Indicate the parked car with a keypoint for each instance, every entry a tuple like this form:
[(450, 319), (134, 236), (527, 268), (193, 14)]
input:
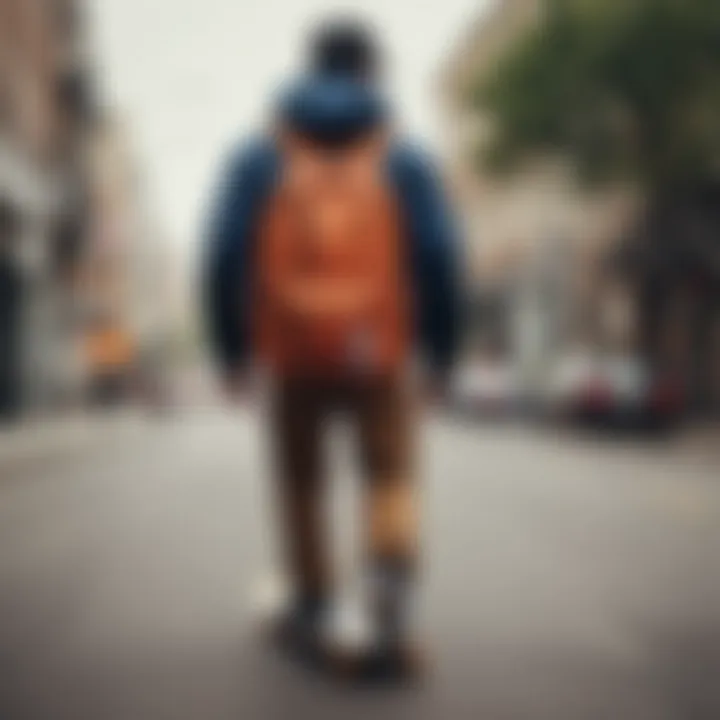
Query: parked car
[(487, 389), (620, 392)]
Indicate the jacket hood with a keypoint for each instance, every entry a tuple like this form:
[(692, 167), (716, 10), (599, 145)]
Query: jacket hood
[(332, 110)]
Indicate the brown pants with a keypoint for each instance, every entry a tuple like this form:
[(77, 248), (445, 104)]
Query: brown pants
[(380, 411)]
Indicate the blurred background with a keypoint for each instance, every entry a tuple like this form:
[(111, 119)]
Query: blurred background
[(572, 501)]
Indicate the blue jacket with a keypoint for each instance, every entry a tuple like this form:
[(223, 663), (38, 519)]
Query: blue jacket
[(332, 110)]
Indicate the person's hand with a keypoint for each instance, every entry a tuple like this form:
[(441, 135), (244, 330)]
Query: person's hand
[(237, 386), (436, 391)]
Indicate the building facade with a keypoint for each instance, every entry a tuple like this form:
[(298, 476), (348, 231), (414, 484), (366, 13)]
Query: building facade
[(537, 242), (44, 111), (75, 233)]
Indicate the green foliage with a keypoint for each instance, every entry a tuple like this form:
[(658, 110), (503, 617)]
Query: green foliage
[(622, 87)]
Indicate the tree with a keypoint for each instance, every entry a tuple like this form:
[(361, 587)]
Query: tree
[(623, 88), (627, 89)]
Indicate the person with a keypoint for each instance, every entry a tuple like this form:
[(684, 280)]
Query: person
[(332, 262)]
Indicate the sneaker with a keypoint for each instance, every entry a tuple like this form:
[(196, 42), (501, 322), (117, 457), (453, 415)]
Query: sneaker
[(297, 634)]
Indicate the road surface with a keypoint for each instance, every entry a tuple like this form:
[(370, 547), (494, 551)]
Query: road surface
[(565, 578)]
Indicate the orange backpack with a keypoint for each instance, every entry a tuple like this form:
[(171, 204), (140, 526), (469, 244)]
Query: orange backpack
[(332, 285)]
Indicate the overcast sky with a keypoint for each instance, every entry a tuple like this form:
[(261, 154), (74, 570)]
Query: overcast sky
[(190, 77)]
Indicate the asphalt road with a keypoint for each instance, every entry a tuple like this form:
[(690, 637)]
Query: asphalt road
[(565, 578)]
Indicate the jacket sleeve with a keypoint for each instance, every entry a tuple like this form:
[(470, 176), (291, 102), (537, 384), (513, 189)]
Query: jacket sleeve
[(245, 184), (434, 250)]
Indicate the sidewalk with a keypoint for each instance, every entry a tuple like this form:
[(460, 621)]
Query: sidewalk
[(48, 438)]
